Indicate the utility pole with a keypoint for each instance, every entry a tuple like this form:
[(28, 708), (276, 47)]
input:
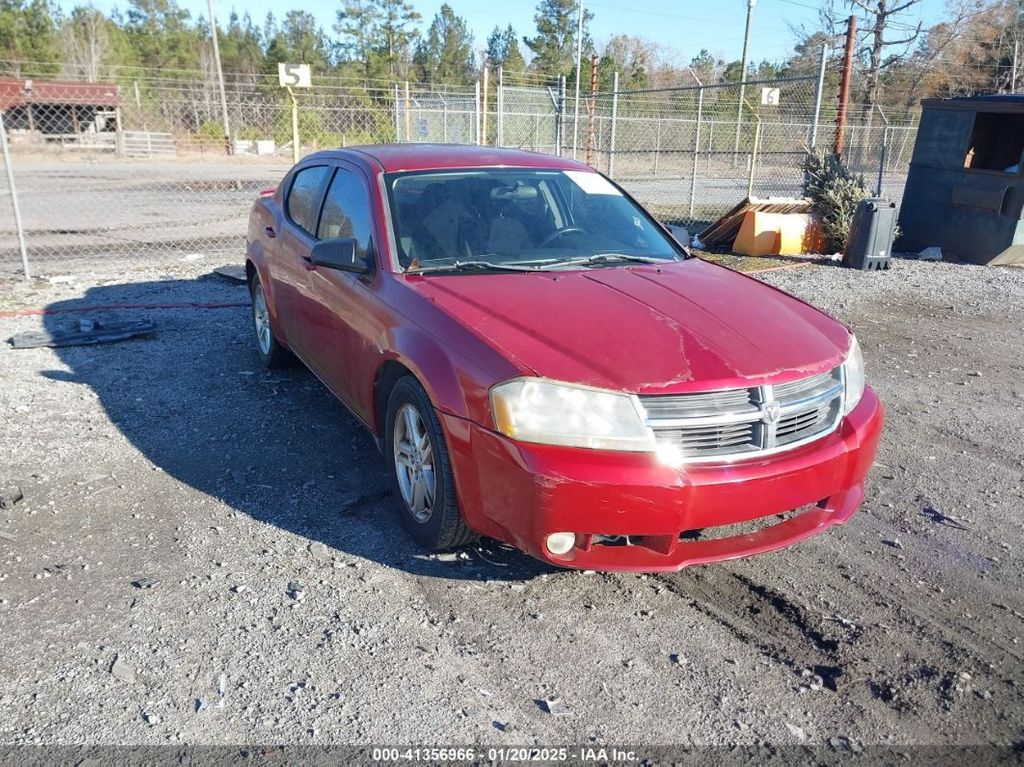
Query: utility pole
[(844, 86), (743, 76), (220, 77), (579, 62), (1013, 72)]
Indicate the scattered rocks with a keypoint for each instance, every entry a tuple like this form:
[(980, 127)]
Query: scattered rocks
[(895, 543), (150, 718), (295, 591), (796, 731), (122, 671), (145, 583)]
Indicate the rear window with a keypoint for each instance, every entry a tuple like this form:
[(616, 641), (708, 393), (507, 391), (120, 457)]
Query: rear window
[(305, 195)]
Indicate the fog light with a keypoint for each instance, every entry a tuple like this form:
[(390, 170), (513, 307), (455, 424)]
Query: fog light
[(560, 543)]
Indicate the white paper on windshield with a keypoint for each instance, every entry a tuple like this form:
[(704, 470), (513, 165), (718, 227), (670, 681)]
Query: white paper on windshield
[(592, 183)]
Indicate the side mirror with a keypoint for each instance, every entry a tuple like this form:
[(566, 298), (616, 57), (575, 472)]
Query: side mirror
[(338, 253)]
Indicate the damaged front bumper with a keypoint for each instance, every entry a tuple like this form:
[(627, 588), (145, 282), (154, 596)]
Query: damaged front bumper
[(630, 512)]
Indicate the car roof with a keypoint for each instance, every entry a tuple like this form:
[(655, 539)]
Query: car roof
[(399, 157)]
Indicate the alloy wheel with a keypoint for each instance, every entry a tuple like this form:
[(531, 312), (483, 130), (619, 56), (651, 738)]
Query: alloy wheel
[(414, 462)]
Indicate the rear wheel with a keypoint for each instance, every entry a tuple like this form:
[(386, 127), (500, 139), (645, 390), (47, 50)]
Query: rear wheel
[(419, 465), (271, 353)]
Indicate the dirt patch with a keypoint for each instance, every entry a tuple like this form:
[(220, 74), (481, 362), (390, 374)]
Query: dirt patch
[(281, 602)]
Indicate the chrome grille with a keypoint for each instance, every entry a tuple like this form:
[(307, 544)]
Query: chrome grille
[(739, 423)]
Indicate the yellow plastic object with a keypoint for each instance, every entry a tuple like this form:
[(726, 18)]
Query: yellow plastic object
[(778, 234)]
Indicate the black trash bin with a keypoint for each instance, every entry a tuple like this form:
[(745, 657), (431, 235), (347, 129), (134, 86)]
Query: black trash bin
[(871, 234)]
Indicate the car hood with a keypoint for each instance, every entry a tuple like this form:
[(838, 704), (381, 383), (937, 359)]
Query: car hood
[(645, 329)]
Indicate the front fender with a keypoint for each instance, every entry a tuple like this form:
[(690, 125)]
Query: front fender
[(455, 386)]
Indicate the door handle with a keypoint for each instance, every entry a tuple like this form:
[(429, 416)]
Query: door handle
[(309, 263), (269, 231)]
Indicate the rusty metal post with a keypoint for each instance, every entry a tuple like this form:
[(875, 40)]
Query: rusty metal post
[(591, 109), (615, 117), (844, 86)]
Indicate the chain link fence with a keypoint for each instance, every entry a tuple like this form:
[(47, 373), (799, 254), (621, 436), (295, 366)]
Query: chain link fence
[(136, 170)]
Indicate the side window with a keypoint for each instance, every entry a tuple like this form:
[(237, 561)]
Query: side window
[(347, 212), (305, 194)]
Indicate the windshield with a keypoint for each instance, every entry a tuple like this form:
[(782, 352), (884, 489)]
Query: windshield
[(519, 218)]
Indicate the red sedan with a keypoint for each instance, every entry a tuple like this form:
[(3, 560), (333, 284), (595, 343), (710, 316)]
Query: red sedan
[(541, 362)]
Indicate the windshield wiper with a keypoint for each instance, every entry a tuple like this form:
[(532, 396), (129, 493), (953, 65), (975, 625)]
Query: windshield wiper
[(473, 266), (609, 258)]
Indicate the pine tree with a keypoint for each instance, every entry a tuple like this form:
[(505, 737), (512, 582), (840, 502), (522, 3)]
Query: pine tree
[(28, 36), (445, 55), (503, 50), (554, 45)]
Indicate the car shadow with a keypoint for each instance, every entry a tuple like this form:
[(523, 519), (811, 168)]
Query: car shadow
[(275, 445)]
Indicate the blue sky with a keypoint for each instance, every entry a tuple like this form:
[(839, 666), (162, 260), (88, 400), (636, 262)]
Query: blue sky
[(684, 26)]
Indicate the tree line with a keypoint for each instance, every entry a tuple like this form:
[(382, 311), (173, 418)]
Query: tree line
[(975, 49)]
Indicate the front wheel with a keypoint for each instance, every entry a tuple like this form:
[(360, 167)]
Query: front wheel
[(419, 465)]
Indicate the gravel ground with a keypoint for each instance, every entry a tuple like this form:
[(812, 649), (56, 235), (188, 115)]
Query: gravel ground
[(208, 553)]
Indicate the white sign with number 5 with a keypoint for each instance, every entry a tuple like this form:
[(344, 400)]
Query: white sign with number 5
[(293, 75)]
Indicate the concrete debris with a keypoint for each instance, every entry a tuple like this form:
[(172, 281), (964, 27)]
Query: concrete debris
[(201, 705), (796, 731), (98, 333), (930, 254), (145, 583), (678, 660), (553, 706), (813, 681), (295, 591), (232, 273), (10, 496), (150, 718), (841, 744), (121, 670), (319, 551)]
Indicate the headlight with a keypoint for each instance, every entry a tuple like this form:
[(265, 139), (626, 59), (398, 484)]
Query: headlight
[(853, 376), (536, 410)]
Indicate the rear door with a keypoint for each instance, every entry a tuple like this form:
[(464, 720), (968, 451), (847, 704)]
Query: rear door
[(302, 202)]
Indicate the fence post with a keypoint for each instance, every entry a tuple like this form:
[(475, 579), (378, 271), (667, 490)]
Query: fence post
[(14, 198), (483, 129), (657, 144), (408, 113), (615, 117), (296, 148), (818, 96), (476, 112), (501, 105), (882, 158), (398, 119), (696, 151), (753, 153)]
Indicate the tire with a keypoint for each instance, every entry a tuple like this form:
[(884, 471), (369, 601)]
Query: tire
[(270, 352), (433, 522)]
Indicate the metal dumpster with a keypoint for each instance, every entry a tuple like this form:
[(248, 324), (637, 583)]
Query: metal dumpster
[(965, 188)]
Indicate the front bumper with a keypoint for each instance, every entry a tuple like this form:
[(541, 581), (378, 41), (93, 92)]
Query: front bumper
[(520, 493)]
